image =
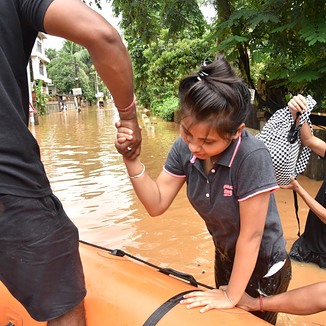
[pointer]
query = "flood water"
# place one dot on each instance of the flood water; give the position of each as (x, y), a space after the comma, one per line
(89, 177)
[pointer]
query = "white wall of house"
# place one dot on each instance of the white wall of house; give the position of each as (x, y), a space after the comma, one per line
(39, 61)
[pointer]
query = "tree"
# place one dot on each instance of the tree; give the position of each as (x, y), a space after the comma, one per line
(278, 46)
(51, 53)
(41, 97)
(71, 67)
(159, 36)
(168, 61)
(286, 39)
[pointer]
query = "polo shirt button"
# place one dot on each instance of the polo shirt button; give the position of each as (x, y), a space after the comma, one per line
(207, 195)
(213, 170)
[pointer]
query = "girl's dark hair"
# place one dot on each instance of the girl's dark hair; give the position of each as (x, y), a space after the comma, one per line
(216, 95)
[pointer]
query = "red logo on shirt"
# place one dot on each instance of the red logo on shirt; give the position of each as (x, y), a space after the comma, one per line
(227, 190)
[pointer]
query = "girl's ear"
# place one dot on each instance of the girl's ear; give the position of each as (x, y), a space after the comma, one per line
(239, 131)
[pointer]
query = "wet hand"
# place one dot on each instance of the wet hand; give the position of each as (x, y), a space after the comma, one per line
(212, 299)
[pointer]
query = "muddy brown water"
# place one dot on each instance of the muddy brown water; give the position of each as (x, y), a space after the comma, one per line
(89, 177)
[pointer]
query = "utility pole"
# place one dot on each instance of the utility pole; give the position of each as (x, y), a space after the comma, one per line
(77, 87)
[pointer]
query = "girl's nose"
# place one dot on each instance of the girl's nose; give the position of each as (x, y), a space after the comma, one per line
(194, 147)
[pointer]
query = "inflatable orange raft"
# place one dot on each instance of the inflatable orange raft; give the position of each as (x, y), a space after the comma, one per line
(122, 292)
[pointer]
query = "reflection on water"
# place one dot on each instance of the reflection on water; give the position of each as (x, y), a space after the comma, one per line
(89, 177)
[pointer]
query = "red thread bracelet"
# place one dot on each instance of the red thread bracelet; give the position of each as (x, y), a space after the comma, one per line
(130, 106)
(261, 303)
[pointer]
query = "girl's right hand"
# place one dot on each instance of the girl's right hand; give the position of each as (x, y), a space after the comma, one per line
(124, 142)
(123, 134)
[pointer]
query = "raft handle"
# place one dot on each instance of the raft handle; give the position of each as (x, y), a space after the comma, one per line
(184, 276)
(117, 252)
(167, 271)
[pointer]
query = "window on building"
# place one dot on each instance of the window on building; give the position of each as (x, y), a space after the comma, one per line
(39, 46)
(41, 69)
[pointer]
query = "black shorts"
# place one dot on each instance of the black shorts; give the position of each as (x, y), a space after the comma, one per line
(301, 252)
(39, 257)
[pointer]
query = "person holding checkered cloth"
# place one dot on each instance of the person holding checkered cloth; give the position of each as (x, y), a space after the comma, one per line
(311, 245)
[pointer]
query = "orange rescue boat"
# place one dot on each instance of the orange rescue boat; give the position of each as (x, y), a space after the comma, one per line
(123, 292)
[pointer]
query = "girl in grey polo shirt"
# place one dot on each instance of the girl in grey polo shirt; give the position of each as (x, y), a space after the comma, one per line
(230, 182)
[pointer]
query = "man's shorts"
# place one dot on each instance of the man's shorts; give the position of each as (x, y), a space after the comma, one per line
(39, 257)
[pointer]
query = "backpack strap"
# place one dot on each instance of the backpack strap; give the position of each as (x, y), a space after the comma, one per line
(296, 207)
(305, 152)
(294, 130)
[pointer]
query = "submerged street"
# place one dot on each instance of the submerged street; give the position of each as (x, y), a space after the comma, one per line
(89, 177)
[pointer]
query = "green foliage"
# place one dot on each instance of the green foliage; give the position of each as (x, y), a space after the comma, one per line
(166, 107)
(61, 71)
(72, 67)
(314, 33)
(140, 19)
(165, 42)
(97, 3)
(279, 42)
(180, 15)
(284, 39)
(41, 97)
(51, 53)
(231, 41)
(168, 61)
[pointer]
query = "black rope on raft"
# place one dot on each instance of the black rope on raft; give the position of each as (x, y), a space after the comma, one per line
(168, 271)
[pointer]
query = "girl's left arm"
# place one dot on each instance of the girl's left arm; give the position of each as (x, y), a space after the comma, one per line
(253, 212)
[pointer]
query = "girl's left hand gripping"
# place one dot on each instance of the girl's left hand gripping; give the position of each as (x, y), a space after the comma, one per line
(212, 299)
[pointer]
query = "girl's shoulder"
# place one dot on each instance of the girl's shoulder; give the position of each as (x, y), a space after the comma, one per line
(250, 140)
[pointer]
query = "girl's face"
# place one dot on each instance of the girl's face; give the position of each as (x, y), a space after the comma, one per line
(203, 140)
